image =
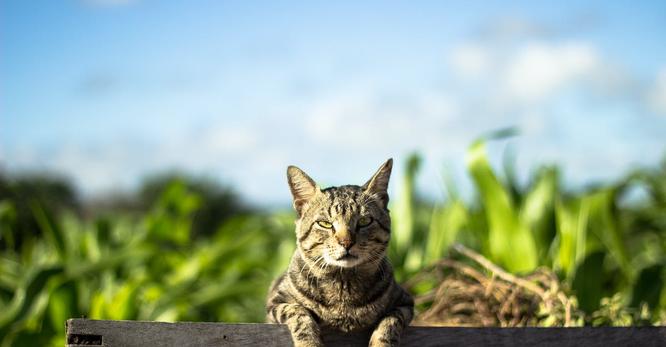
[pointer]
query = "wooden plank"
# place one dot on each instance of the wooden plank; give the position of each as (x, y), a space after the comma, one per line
(84, 332)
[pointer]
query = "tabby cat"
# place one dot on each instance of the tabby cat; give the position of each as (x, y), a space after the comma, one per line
(339, 277)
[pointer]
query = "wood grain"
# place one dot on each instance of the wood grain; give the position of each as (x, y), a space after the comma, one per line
(85, 332)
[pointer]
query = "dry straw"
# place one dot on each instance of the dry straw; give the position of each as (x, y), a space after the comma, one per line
(472, 291)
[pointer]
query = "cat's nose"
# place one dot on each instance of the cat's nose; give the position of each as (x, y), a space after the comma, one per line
(347, 243)
(344, 237)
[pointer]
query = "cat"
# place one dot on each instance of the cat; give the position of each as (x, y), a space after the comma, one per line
(339, 277)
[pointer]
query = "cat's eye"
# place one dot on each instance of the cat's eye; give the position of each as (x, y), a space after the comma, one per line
(364, 221)
(324, 224)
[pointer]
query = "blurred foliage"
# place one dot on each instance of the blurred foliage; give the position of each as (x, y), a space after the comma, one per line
(24, 193)
(217, 203)
(148, 269)
(191, 251)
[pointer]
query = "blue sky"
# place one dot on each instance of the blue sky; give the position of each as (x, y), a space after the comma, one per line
(107, 91)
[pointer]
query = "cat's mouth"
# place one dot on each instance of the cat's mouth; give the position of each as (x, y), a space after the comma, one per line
(344, 260)
(347, 256)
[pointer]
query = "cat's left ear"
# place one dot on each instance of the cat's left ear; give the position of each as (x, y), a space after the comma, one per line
(378, 184)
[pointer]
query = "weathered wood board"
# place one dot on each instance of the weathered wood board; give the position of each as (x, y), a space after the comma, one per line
(84, 332)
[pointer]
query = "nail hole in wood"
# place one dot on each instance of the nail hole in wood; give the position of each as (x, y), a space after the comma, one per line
(83, 339)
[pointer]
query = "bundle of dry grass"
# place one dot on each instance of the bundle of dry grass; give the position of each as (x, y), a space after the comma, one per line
(469, 290)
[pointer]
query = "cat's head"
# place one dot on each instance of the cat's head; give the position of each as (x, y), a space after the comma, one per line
(343, 226)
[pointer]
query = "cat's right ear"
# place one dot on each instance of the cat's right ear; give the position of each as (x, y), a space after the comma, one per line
(302, 187)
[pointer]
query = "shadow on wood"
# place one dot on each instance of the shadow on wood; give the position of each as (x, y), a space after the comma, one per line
(84, 332)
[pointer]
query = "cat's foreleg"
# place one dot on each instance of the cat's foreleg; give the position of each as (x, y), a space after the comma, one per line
(390, 328)
(304, 330)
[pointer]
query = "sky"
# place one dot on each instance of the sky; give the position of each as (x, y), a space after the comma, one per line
(109, 91)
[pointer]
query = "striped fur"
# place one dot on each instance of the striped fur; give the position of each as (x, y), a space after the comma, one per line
(339, 277)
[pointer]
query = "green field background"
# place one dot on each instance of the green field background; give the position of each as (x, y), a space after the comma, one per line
(185, 250)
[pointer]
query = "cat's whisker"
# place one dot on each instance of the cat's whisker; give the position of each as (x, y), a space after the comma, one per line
(302, 267)
(310, 270)
(323, 267)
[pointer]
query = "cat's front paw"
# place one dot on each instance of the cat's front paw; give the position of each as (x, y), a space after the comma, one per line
(383, 338)
(308, 343)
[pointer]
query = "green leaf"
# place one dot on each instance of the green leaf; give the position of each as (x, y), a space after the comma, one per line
(7, 221)
(648, 286)
(446, 222)
(603, 223)
(510, 241)
(571, 218)
(537, 210)
(26, 295)
(62, 305)
(588, 281)
(403, 211)
(50, 229)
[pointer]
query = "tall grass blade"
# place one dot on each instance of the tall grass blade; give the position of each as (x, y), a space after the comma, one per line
(447, 221)
(571, 219)
(403, 210)
(649, 287)
(589, 280)
(537, 211)
(510, 241)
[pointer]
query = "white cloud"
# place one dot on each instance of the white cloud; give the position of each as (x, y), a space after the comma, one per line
(470, 60)
(96, 168)
(354, 121)
(119, 163)
(657, 94)
(538, 70)
(223, 140)
(371, 120)
(531, 74)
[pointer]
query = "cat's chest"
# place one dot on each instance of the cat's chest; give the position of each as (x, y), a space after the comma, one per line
(341, 294)
(349, 318)
(347, 307)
